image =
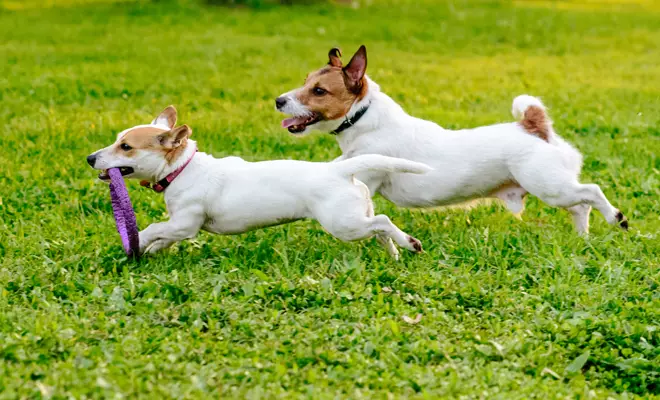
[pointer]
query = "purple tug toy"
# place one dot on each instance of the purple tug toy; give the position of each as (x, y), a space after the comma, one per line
(124, 214)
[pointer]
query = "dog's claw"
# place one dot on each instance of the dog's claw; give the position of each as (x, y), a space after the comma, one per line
(622, 220)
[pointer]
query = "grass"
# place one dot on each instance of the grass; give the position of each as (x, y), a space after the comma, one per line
(510, 309)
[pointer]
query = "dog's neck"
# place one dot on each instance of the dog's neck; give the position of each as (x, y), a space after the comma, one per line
(382, 112)
(183, 158)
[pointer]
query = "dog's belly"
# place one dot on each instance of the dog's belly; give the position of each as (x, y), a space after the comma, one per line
(437, 188)
(252, 204)
(232, 226)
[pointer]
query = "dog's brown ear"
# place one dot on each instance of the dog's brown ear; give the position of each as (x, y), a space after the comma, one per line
(166, 118)
(355, 70)
(334, 57)
(175, 137)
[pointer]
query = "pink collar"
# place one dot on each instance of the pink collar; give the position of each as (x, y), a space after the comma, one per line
(162, 184)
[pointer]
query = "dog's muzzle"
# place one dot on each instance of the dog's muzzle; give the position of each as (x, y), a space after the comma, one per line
(280, 102)
(91, 160)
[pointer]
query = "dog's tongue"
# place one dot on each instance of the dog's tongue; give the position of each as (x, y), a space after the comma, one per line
(293, 121)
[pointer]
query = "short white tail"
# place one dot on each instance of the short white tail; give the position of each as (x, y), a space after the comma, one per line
(532, 116)
(522, 103)
(380, 163)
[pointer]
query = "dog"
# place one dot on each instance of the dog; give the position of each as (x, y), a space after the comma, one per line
(504, 161)
(231, 196)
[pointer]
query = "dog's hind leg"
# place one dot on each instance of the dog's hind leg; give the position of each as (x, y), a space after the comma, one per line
(513, 197)
(383, 239)
(381, 224)
(559, 188)
(580, 215)
(348, 217)
(389, 246)
(591, 195)
(348, 228)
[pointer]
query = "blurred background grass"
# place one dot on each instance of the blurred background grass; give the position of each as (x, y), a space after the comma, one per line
(289, 311)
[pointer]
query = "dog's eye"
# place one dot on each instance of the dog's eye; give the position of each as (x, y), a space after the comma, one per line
(319, 91)
(125, 147)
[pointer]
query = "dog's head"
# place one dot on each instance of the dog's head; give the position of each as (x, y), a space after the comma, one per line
(144, 151)
(327, 95)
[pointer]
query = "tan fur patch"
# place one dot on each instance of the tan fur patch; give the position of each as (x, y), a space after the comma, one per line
(147, 138)
(337, 100)
(172, 155)
(536, 122)
(180, 135)
(142, 138)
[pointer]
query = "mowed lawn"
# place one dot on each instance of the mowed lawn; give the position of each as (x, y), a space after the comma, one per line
(509, 308)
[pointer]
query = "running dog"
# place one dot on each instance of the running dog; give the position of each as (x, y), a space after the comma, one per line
(504, 161)
(231, 196)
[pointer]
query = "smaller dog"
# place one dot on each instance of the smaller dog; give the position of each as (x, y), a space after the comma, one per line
(231, 196)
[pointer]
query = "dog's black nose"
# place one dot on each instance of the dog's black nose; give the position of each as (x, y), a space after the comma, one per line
(280, 102)
(91, 160)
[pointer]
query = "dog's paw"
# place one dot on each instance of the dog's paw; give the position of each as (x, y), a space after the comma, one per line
(415, 245)
(622, 221)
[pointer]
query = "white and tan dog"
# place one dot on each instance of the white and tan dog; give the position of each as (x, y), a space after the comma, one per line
(231, 196)
(504, 161)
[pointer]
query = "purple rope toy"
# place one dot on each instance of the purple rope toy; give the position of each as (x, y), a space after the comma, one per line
(124, 214)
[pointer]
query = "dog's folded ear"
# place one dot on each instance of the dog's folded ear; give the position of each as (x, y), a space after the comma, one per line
(167, 118)
(334, 57)
(355, 70)
(175, 137)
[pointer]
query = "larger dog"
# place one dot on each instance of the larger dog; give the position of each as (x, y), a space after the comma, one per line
(505, 161)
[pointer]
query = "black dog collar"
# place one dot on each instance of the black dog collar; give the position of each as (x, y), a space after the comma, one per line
(348, 122)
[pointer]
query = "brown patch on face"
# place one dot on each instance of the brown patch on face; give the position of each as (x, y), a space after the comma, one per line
(170, 143)
(331, 91)
(325, 92)
(536, 122)
(143, 138)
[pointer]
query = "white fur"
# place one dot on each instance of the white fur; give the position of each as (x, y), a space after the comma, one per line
(293, 106)
(231, 196)
(161, 121)
(501, 161)
(522, 103)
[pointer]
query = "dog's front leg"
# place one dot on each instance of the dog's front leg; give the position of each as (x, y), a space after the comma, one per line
(151, 234)
(163, 234)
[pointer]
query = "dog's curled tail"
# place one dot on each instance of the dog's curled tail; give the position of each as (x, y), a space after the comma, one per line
(532, 116)
(376, 162)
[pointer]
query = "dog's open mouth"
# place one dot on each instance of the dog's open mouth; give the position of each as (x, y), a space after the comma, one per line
(124, 171)
(298, 124)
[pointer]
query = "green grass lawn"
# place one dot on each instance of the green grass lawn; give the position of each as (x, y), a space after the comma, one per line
(510, 309)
